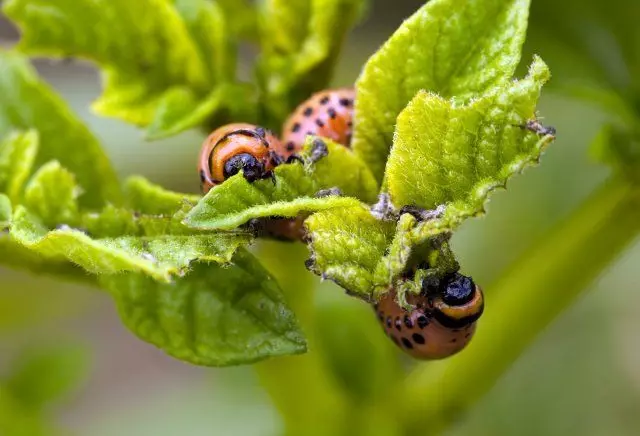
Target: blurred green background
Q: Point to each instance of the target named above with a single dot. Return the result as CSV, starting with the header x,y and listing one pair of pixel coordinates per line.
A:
x,y
582,376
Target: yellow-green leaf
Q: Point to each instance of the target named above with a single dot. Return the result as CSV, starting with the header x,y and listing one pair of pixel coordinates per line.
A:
x,y
159,257
454,48
28,103
17,155
143,47
446,153
347,245
52,195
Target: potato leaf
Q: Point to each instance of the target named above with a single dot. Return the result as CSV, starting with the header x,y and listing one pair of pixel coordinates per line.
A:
x,y
17,155
51,194
213,316
28,103
448,153
448,47
143,47
160,257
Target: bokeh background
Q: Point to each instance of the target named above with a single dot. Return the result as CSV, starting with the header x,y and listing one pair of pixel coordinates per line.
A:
x,y
582,375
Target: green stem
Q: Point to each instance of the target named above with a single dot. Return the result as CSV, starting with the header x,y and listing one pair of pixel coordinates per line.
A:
x,y
302,387
539,286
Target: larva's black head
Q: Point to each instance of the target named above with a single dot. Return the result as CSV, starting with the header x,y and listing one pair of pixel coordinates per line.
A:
x,y
250,166
457,289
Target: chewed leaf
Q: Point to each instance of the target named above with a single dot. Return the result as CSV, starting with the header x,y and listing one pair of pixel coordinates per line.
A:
x,y
448,47
446,153
144,47
347,244
295,190
52,195
147,198
28,103
17,155
158,257
213,316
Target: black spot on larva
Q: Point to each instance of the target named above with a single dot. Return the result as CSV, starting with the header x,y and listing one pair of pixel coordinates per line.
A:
x,y
261,132
407,343
332,113
381,316
349,123
423,321
408,322
295,128
467,335
454,340
309,132
418,338
319,122
290,146
398,323
346,102
324,100
455,330
395,340
308,111
389,322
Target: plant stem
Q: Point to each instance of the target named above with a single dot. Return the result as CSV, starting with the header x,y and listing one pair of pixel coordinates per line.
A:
x,y
301,387
538,287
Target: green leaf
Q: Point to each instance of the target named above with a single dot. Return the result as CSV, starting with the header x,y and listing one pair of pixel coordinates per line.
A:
x,y
236,201
347,245
147,198
206,23
449,47
159,257
17,155
51,194
447,153
143,47
42,376
301,40
213,316
28,103
5,212
620,149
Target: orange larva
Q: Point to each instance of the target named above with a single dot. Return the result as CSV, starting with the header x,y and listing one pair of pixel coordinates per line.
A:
x,y
235,147
327,113
442,322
